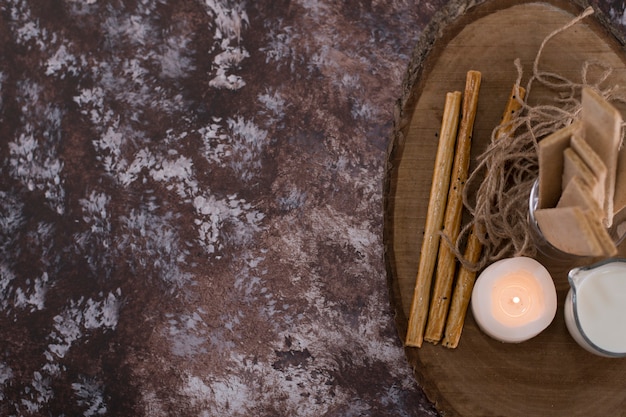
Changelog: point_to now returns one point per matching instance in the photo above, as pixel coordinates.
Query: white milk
(601, 306)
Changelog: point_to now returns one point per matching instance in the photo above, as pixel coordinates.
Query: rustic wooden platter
(549, 375)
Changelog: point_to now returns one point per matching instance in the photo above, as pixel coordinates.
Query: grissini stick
(473, 249)
(462, 292)
(434, 219)
(446, 261)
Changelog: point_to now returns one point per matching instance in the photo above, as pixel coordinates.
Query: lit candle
(595, 308)
(514, 299)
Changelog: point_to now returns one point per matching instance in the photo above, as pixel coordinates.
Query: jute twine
(508, 168)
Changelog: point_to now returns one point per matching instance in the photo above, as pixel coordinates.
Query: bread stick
(446, 261)
(473, 249)
(434, 219)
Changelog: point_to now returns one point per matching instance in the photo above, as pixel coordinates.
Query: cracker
(619, 207)
(597, 167)
(574, 166)
(550, 155)
(577, 193)
(602, 234)
(601, 126)
(569, 229)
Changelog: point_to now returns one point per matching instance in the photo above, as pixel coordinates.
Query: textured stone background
(191, 207)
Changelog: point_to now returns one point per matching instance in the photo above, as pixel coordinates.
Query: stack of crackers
(582, 181)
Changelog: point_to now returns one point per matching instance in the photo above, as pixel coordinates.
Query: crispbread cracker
(597, 167)
(619, 208)
(568, 229)
(551, 164)
(577, 193)
(602, 234)
(601, 127)
(574, 166)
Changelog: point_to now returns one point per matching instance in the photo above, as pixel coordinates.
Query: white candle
(595, 308)
(514, 299)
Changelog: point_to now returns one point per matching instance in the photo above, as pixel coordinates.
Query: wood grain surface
(550, 374)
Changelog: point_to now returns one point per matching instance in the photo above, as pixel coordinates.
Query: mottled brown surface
(191, 207)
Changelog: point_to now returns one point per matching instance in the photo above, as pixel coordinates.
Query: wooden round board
(549, 375)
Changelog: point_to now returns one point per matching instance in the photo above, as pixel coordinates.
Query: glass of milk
(595, 307)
